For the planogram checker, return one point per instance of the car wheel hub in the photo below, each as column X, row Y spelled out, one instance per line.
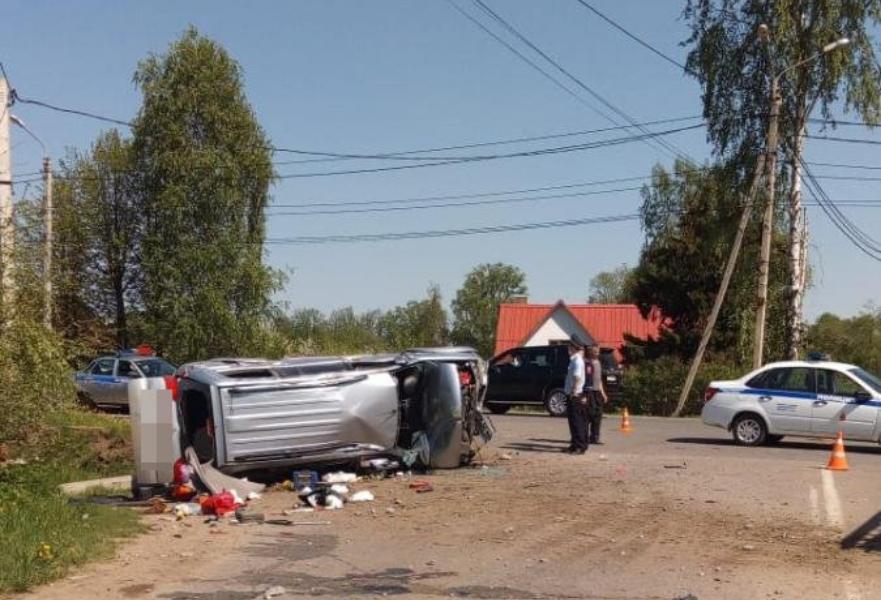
column 748, row 431
column 557, row 403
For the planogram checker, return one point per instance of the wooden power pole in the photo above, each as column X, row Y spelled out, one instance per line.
column 7, row 229
column 767, row 228
column 723, row 287
column 47, row 257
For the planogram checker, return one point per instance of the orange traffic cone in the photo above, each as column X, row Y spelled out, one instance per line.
column 838, row 461
column 625, row 422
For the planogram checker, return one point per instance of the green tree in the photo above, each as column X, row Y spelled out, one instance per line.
column 205, row 167
column 734, row 67
column 99, row 229
column 419, row 323
column 735, row 71
column 612, row 287
column 690, row 217
column 855, row 340
column 476, row 306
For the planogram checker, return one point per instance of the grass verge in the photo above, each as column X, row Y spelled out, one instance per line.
column 42, row 532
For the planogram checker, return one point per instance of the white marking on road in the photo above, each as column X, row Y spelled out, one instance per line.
column 830, row 497
column 815, row 505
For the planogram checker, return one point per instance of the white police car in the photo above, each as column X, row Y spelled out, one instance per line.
column 104, row 383
column 814, row 398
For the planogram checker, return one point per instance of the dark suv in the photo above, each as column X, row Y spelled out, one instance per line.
column 536, row 375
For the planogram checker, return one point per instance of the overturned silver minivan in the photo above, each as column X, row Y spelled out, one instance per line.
column 422, row 406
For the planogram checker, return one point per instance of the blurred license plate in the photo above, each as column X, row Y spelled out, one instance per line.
column 612, row 378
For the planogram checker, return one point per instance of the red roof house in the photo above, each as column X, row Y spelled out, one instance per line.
column 605, row 325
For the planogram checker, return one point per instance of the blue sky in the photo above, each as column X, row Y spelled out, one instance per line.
column 391, row 75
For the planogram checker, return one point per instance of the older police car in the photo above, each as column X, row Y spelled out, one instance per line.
column 799, row 398
column 105, row 381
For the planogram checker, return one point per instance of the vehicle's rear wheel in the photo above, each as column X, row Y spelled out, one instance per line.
column 749, row 430
column 557, row 403
column 773, row 439
column 498, row 409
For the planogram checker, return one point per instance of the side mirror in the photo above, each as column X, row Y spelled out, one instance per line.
column 862, row 397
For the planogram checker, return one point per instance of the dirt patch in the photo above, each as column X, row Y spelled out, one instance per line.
column 109, row 450
column 615, row 524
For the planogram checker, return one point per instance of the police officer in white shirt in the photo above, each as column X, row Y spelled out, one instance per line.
column 576, row 402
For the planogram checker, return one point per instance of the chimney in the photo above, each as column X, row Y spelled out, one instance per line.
column 519, row 300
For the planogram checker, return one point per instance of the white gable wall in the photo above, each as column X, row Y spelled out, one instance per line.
column 559, row 326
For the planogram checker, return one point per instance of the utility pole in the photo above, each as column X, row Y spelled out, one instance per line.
column 767, row 226
column 797, row 252
column 7, row 230
column 797, row 248
column 723, row 287
column 47, row 258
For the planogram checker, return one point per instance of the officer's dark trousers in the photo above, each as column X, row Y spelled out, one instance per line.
column 594, row 416
column 577, row 413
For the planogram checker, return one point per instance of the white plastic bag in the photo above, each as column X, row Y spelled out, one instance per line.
column 339, row 477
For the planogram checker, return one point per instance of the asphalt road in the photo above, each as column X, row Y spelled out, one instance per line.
column 672, row 510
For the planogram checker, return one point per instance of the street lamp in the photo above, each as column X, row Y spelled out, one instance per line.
column 771, row 166
column 49, row 210
column 21, row 124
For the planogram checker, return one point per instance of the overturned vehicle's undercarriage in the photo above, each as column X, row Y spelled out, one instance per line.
column 422, row 406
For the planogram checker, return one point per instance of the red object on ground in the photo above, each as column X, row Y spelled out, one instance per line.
column 219, row 504
column 421, row 486
column 183, row 492
column 182, row 471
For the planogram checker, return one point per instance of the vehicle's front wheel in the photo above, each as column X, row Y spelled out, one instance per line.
column 749, row 430
column 557, row 403
column 498, row 409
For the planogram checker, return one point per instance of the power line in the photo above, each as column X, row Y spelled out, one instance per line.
column 381, row 237
column 535, row 66
column 844, row 140
column 542, row 152
column 404, row 154
column 73, row 111
column 431, row 161
column 530, row 62
column 420, row 199
column 847, row 178
column 634, row 37
column 593, row 93
column 385, row 209
column 494, row 156
column 837, row 122
column 851, row 231
column 845, row 166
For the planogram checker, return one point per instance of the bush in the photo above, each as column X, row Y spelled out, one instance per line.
column 36, row 378
column 653, row 387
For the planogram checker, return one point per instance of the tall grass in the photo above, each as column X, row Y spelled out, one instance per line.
column 42, row 533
